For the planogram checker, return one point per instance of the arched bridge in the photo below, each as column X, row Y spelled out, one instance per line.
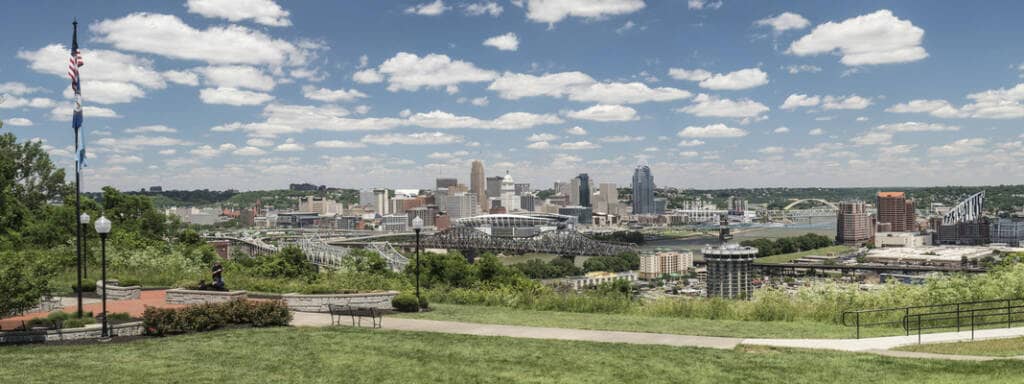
column 564, row 243
column 825, row 202
column 251, row 246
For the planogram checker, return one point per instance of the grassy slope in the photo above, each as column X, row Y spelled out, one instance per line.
column 785, row 258
column 359, row 355
column 637, row 323
column 1000, row 347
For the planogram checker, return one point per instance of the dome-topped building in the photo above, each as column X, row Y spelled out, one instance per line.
column 509, row 200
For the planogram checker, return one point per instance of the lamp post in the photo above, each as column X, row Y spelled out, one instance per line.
column 84, row 220
column 103, row 228
column 417, row 226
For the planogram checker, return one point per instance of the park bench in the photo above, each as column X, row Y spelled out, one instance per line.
column 357, row 314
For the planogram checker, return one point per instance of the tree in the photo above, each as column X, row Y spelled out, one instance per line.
column 28, row 182
column 190, row 238
column 366, row 261
column 24, row 280
column 289, row 262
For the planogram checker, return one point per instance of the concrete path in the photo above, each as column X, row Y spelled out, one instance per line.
column 877, row 345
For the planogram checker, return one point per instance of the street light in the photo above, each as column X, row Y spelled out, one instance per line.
column 84, row 221
column 417, row 226
column 103, row 228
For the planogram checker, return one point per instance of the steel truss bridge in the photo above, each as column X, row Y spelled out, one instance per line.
column 317, row 251
column 564, row 243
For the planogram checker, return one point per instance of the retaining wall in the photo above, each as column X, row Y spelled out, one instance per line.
column 188, row 296
column 318, row 303
column 91, row 331
column 117, row 292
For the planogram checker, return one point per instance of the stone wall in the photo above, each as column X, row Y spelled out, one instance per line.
column 188, row 296
column 117, row 292
column 318, row 303
column 91, row 331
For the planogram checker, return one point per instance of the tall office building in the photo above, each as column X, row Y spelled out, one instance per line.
column 584, row 189
column 522, row 188
column 493, row 187
column 509, row 200
column 853, row 224
column 477, row 184
column 462, row 204
column 607, row 196
column 445, row 182
column 381, row 203
column 643, row 191
column 896, row 210
column 574, row 191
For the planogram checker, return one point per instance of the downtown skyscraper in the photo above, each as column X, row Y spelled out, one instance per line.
column 477, row 184
column 643, row 191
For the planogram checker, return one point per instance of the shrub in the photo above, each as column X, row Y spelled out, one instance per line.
column 87, row 286
column 77, row 323
column 405, row 302
column 423, row 302
column 207, row 317
column 119, row 316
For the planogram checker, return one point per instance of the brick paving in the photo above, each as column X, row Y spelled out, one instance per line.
column 132, row 307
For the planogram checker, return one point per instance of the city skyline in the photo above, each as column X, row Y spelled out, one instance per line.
column 209, row 94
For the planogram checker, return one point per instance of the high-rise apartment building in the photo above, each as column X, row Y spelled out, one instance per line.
column 493, row 187
column 380, row 204
column 478, row 184
column 655, row 265
column 584, row 181
column 643, row 191
column 574, row 191
column 730, row 270
column 897, row 210
column 462, row 204
column 854, row 226
column 445, row 182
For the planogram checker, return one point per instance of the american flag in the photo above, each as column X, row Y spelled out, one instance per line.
column 76, row 122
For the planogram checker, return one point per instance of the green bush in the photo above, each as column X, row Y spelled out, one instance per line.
column 77, row 323
column 207, row 317
column 405, row 302
column 424, row 304
column 119, row 316
column 87, row 286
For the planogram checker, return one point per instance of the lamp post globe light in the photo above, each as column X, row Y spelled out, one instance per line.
column 103, row 228
column 84, row 221
column 417, row 226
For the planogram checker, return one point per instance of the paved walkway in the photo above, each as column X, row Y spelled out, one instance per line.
column 132, row 307
column 877, row 345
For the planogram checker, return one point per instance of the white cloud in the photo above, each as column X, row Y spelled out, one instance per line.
column 18, row 122
column 232, row 96
column 741, row 79
column 845, row 102
column 578, row 145
column 204, row 151
column 16, row 88
column 506, row 42
column 259, row 142
column 100, row 65
column 249, row 151
column 772, row 150
column 873, row 138
column 167, row 152
column 688, row 154
column 427, row 9
column 553, row 11
column 795, row 69
column 996, row 104
column 959, row 148
column 621, row 139
column 479, row 101
column 937, row 108
column 913, row 126
column 781, row 130
column 338, row 144
column 712, row 106
column 409, row 72
column 107, row 92
column 876, row 38
column 691, row 143
column 604, row 112
column 704, row 4
column 579, row 86
column 367, row 76
column 331, row 95
column 862, row 118
column 784, row 21
column 119, row 144
column 181, row 77
column 712, row 131
column 797, row 100
column 264, row 12
column 542, row 137
column 237, row 76
column 168, row 36
column 11, row 102
column 508, row 121
column 477, row 9
column 576, row 131
column 290, row 146
column 447, row 155
column 64, row 113
column 151, row 129
column 816, row 132
column 423, row 138
column 625, row 27
column 122, row 159
column 539, row 145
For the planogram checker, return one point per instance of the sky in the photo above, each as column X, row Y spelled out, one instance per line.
column 257, row 94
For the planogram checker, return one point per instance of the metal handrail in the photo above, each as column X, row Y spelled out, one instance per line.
column 922, row 320
column 856, row 314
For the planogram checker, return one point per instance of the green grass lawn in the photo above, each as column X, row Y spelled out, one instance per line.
column 788, row 257
column 640, row 323
column 999, row 347
column 347, row 355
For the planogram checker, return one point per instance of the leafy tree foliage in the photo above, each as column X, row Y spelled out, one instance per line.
column 289, row 262
column 24, row 278
column 806, row 242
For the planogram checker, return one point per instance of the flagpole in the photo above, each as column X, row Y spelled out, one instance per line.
column 78, row 193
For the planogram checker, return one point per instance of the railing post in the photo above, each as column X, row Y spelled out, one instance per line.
column 972, row 325
column 858, row 325
column 1009, row 315
column 906, row 318
column 919, row 329
column 957, row 317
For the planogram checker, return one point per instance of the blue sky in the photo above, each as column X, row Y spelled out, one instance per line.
column 256, row 94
